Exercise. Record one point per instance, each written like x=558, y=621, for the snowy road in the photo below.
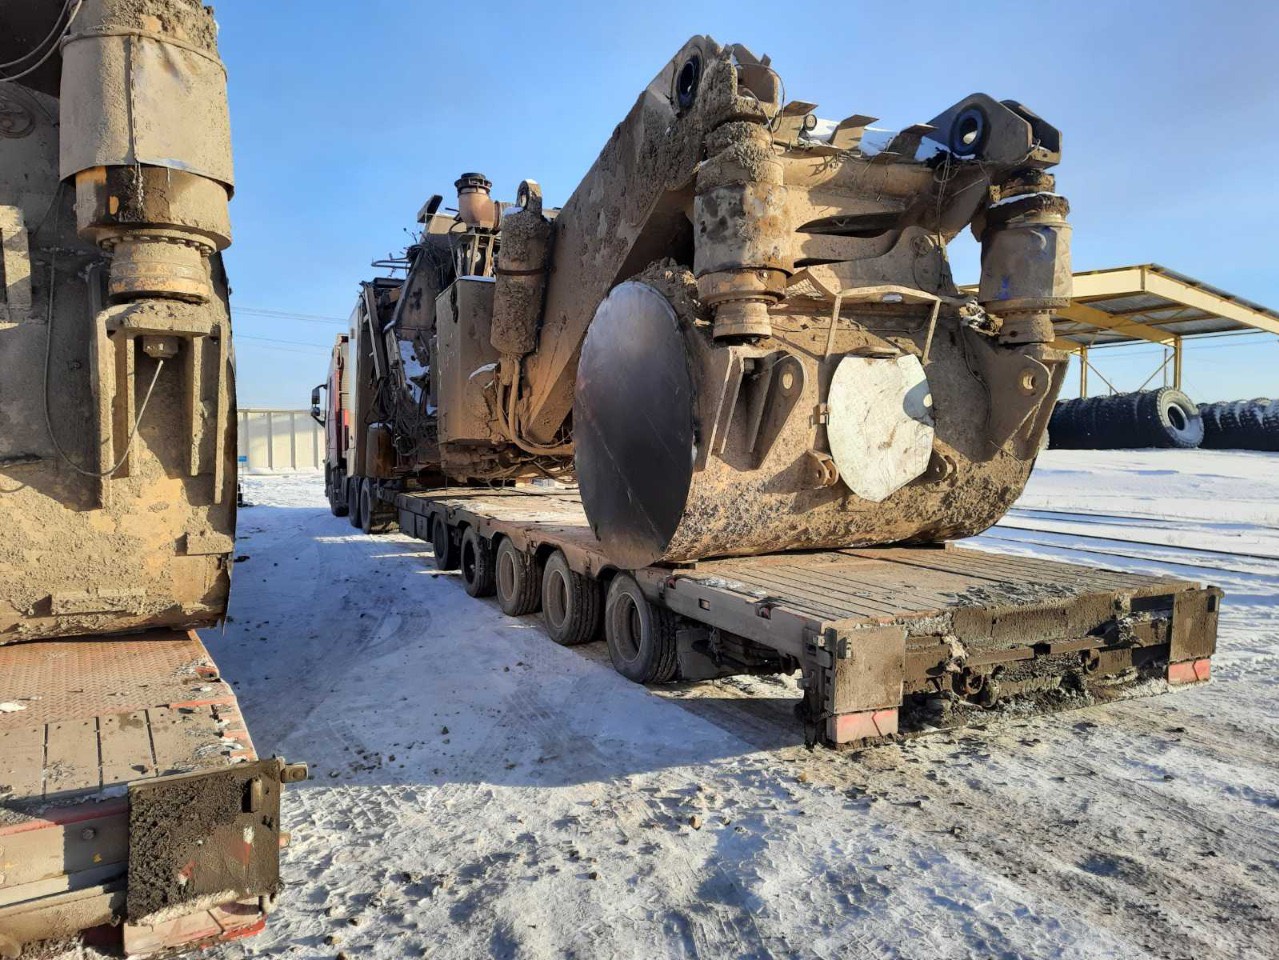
x=480, y=791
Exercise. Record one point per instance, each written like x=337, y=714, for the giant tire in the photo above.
x=1169, y=418
x=476, y=563
x=641, y=636
x=1151, y=418
x=517, y=579
x=1241, y=424
x=1267, y=434
x=571, y=603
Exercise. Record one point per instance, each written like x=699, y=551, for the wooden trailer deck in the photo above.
x=100, y=739
x=874, y=630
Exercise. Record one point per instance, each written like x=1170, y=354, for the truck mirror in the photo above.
x=316, y=414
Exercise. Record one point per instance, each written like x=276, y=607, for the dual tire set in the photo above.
x=355, y=499
x=575, y=608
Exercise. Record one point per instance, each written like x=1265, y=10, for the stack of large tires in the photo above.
x=1125, y=421
x=1241, y=424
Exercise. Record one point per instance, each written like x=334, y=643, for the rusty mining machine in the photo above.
x=132, y=802
x=741, y=341
x=740, y=334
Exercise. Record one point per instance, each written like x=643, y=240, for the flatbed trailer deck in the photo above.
x=102, y=740
x=891, y=641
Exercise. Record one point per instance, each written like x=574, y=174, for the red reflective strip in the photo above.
x=862, y=726
x=250, y=931
x=60, y=818
x=1189, y=671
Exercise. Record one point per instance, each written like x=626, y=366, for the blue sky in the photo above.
x=347, y=116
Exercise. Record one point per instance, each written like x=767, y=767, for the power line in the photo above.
x=1187, y=346
x=285, y=315
x=290, y=343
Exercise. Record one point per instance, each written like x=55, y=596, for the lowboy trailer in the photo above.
x=890, y=641
x=130, y=788
x=741, y=339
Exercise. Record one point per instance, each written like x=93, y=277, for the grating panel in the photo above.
x=97, y=714
x=79, y=679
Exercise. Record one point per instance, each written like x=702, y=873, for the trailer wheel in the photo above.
x=353, y=502
x=333, y=482
x=640, y=634
x=374, y=517
x=517, y=579
x=477, y=564
x=571, y=607
x=446, y=552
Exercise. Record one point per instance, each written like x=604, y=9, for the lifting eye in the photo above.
x=686, y=83
x=968, y=133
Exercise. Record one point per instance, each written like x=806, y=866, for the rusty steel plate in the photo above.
x=633, y=424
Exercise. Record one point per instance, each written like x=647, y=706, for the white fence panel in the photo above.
x=280, y=441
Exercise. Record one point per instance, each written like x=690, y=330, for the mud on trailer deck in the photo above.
x=131, y=797
x=891, y=641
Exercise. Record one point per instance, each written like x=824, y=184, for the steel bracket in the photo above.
x=200, y=845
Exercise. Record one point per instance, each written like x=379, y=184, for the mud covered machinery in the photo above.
x=131, y=800
x=739, y=335
x=741, y=338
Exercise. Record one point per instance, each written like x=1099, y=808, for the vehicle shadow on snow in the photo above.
x=355, y=655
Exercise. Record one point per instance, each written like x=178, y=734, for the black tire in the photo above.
x=375, y=516
x=1260, y=425
x=353, y=502
x=1266, y=437
x=1061, y=426
x=517, y=579
x=1168, y=418
x=334, y=481
x=1073, y=424
x=476, y=564
x=571, y=603
x=366, y=506
x=444, y=545
x=1241, y=424
x=1151, y=418
x=1231, y=417
x=640, y=635
x=1215, y=436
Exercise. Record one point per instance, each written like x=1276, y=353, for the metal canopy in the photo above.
x=1149, y=304
x=1152, y=303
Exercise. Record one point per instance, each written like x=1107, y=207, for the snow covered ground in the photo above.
x=479, y=791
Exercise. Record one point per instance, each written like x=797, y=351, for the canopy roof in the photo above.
x=1152, y=303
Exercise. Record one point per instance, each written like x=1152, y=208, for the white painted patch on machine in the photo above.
x=881, y=423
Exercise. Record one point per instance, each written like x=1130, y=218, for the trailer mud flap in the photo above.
x=855, y=684
x=1193, y=638
x=204, y=855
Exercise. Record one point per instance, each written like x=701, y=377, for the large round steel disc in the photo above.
x=881, y=424
x=633, y=424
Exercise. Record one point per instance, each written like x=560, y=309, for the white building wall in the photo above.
x=280, y=441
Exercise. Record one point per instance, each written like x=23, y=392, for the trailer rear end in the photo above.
x=888, y=642
x=133, y=805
